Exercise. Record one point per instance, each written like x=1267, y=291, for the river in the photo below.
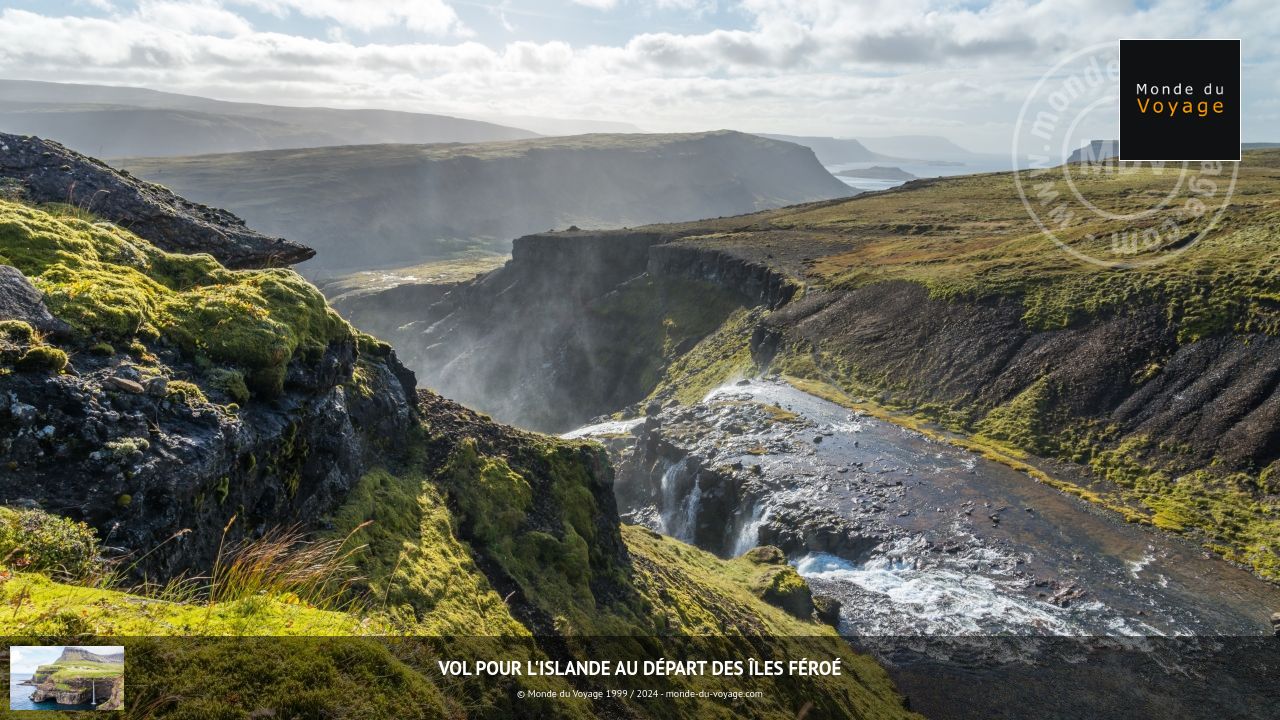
x=937, y=554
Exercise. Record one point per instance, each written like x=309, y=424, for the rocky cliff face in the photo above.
x=72, y=654
x=1152, y=392
x=577, y=324
x=157, y=395
x=42, y=171
x=81, y=691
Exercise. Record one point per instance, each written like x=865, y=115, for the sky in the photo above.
x=840, y=68
x=23, y=660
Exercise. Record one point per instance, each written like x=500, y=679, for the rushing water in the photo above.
x=971, y=547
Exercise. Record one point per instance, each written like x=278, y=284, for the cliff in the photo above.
x=379, y=206
x=177, y=393
x=1150, y=391
x=80, y=677
x=224, y=435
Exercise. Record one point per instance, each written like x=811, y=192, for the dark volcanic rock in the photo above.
x=20, y=300
x=48, y=172
x=1214, y=398
x=142, y=467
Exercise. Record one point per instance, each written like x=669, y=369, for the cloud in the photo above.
x=597, y=4
x=192, y=16
x=802, y=66
x=426, y=16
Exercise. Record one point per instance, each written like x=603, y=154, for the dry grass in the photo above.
x=284, y=563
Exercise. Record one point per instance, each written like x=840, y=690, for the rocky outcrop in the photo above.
x=1210, y=399
x=20, y=300
x=563, y=332
x=116, y=449
x=758, y=282
x=155, y=424
x=116, y=700
x=42, y=171
x=80, y=691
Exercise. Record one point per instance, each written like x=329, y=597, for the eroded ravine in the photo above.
x=913, y=536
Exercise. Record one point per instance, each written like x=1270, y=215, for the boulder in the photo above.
x=20, y=300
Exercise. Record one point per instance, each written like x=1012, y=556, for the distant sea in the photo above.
x=976, y=164
x=20, y=697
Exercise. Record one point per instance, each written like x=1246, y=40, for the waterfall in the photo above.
x=749, y=534
x=670, y=495
x=688, y=528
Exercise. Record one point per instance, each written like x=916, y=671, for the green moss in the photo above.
x=1023, y=420
x=102, y=349
x=783, y=587
x=18, y=331
x=370, y=345
x=38, y=606
x=37, y=541
x=230, y=382
x=719, y=357
x=185, y=392
x=111, y=285
x=646, y=325
x=128, y=447
x=42, y=358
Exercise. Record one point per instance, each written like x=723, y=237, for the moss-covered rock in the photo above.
x=111, y=286
x=42, y=358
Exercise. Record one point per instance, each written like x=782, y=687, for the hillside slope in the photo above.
x=109, y=121
x=251, y=464
x=1152, y=391
x=387, y=205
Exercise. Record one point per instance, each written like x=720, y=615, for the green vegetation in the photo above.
x=42, y=358
x=39, y=542
x=481, y=531
x=649, y=324
x=18, y=332
x=112, y=286
x=716, y=359
x=968, y=240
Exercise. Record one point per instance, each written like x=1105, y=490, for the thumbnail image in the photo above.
x=66, y=677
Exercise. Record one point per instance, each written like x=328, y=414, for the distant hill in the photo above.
x=107, y=121
x=564, y=126
x=1096, y=151
x=79, y=654
x=878, y=172
x=379, y=206
x=920, y=147
x=832, y=151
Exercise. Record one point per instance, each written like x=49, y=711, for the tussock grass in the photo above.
x=285, y=563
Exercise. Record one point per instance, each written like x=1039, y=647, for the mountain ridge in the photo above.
x=411, y=203
x=111, y=121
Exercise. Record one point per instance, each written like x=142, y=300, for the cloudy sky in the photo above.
x=825, y=67
x=23, y=660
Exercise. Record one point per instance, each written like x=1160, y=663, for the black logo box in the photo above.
x=1180, y=65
